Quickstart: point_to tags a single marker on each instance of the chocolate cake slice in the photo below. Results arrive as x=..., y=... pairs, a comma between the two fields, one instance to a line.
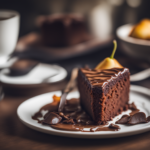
x=61, y=30
x=104, y=93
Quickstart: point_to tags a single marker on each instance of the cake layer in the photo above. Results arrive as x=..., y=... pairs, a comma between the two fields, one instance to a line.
x=104, y=93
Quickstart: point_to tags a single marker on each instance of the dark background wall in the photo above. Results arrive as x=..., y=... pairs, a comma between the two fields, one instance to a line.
x=121, y=11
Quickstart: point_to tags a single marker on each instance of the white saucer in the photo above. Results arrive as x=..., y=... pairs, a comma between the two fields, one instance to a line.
x=6, y=62
x=36, y=75
x=28, y=108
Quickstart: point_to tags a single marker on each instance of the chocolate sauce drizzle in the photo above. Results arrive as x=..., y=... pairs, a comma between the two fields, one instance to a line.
x=100, y=77
x=73, y=118
x=111, y=127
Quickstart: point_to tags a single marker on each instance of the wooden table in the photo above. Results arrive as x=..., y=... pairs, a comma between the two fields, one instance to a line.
x=16, y=136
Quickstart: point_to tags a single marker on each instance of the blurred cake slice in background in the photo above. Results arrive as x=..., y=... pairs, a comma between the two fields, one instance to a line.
x=61, y=30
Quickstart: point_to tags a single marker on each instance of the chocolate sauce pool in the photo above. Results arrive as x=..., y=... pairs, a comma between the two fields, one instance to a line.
x=73, y=118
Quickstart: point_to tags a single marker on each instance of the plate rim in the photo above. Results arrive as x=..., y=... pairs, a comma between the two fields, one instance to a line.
x=78, y=134
x=34, y=84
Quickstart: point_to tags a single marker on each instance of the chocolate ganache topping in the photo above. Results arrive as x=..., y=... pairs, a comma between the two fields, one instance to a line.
x=100, y=77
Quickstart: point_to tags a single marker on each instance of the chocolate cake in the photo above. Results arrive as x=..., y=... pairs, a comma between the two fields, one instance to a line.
x=104, y=93
x=61, y=30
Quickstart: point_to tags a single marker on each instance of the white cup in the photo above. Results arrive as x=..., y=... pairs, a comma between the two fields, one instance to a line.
x=9, y=30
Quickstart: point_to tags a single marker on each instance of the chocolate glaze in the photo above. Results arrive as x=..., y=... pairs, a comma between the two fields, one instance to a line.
x=100, y=77
x=74, y=118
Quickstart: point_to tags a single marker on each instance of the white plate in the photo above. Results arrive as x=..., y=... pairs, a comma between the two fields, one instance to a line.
x=28, y=108
x=36, y=75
